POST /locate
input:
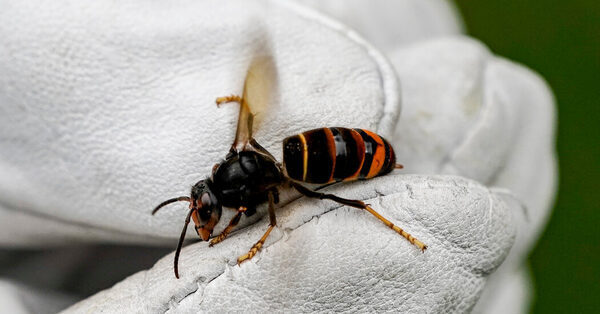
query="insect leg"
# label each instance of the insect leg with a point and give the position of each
(230, 98)
(273, 221)
(243, 133)
(360, 204)
(234, 221)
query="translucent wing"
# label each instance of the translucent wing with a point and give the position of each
(257, 96)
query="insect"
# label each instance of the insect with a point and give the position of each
(249, 175)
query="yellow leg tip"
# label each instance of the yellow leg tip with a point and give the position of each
(217, 239)
(243, 258)
(420, 245)
(225, 99)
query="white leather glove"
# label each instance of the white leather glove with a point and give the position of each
(108, 109)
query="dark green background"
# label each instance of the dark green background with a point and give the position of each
(561, 41)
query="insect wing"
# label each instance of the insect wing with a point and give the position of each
(257, 96)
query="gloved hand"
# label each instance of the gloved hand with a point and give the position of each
(498, 128)
(101, 121)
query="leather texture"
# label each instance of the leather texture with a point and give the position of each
(325, 257)
(108, 109)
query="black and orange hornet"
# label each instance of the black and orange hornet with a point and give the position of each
(250, 175)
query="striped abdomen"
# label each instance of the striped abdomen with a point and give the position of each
(328, 155)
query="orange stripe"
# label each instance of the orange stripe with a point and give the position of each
(378, 157)
(360, 148)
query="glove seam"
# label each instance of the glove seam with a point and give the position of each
(386, 122)
(265, 247)
(388, 78)
(423, 229)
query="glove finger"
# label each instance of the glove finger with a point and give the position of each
(487, 119)
(129, 118)
(304, 264)
(484, 118)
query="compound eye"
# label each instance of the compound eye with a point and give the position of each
(207, 207)
(206, 201)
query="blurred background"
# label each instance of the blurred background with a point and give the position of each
(561, 41)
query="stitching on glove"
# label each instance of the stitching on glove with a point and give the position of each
(389, 102)
(415, 223)
(263, 249)
(378, 196)
(390, 87)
